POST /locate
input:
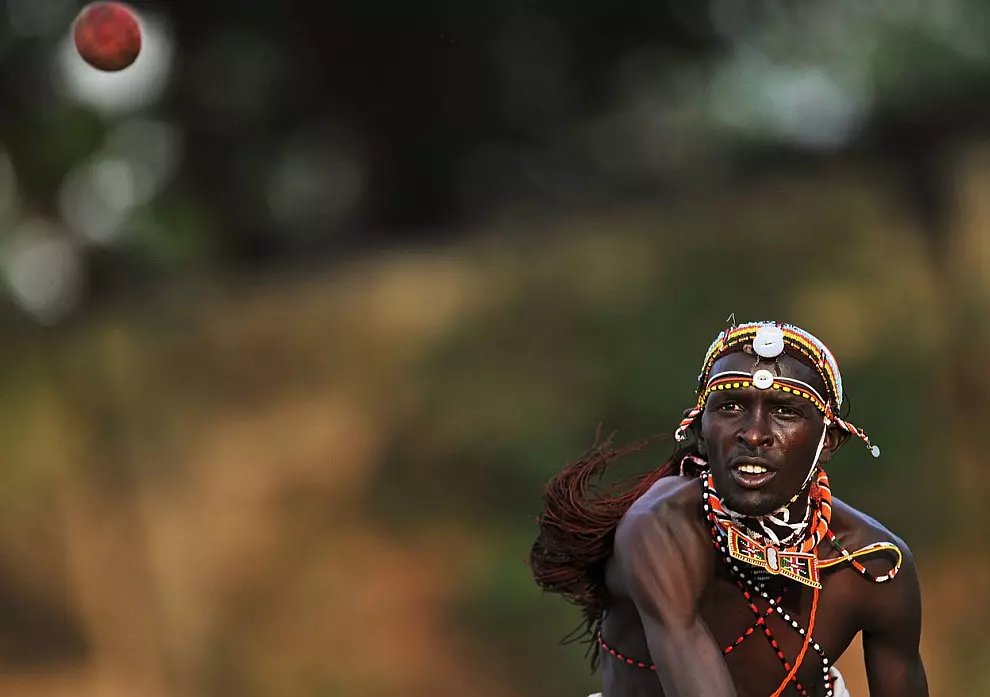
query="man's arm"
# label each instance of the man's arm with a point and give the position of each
(892, 635)
(665, 563)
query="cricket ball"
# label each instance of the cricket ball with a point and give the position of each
(107, 35)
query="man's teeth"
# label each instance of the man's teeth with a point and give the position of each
(752, 469)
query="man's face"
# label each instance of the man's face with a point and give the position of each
(748, 429)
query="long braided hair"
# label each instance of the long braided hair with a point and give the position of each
(577, 528)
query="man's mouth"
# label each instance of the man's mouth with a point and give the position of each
(751, 472)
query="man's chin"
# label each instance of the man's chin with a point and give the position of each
(752, 503)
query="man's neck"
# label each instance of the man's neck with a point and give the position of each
(785, 527)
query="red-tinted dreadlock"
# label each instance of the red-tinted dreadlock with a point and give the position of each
(577, 528)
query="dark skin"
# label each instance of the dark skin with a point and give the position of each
(673, 602)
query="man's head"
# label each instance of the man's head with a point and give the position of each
(761, 443)
(768, 401)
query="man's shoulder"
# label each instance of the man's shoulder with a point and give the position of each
(667, 509)
(856, 529)
(885, 556)
(669, 496)
(890, 609)
(662, 551)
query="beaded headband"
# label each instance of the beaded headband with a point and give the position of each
(769, 340)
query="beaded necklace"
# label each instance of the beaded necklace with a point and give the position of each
(819, 507)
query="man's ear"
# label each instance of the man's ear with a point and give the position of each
(835, 438)
(695, 429)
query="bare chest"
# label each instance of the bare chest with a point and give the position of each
(761, 640)
(765, 633)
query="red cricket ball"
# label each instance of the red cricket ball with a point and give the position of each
(107, 35)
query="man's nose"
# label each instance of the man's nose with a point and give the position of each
(755, 432)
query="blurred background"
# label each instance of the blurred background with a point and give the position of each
(300, 311)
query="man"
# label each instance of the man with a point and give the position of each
(728, 571)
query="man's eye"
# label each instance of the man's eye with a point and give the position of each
(728, 406)
(787, 411)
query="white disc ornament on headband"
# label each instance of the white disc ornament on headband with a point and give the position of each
(769, 342)
(763, 379)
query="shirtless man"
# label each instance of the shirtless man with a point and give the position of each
(731, 570)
